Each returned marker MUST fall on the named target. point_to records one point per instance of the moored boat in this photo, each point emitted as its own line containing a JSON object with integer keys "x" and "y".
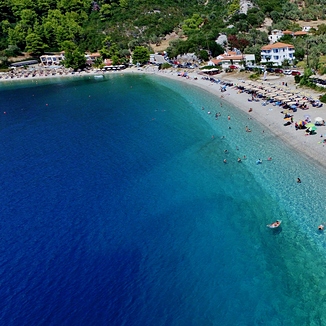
{"x": 274, "y": 225}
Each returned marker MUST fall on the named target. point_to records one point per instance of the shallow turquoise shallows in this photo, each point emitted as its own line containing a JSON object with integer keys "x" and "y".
{"x": 117, "y": 209}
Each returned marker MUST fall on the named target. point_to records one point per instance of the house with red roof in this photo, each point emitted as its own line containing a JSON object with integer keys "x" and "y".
{"x": 277, "y": 53}
{"x": 300, "y": 33}
{"x": 232, "y": 57}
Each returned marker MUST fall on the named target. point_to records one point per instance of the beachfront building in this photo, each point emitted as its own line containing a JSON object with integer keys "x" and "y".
{"x": 108, "y": 65}
{"x": 18, "y": 64}
{"x": 56, "y": 59}
{"x": 232, "y": 58}
{"x": 91, "y": 57}
{"x": 277, "y": 53}
{"x": 52, "y": 59}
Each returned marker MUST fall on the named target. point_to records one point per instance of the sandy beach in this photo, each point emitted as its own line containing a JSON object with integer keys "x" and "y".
{"x": 269, "y": 116}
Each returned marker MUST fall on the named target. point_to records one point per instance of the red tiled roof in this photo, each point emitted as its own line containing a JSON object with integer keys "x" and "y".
{"x": 108, "y": 62}
{"x": 277, "y": 45}
{"x": 216, "y": 61}
{"x": 298, "y": 33}
{"x": 230, "y": 57}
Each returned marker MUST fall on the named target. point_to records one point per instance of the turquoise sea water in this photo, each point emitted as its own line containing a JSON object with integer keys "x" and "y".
{"x": 117, "y": 209}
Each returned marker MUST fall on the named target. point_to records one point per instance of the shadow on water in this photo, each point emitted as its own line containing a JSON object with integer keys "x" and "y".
{"x": 276, "y": 231}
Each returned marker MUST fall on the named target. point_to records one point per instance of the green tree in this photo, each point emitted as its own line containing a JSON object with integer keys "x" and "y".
{"x": 299, "y": 54}
{"x": 192, "y": 24}
{"x": 109, "y": 48}
{"x": 203, "y": 55}
{"x": 256, "y": 50}
{"x": 74, "y": 59}
{"x": 140, "y": 55}
{"x": 105, "y": 11}
{"x": 69, "y": 46}
{"x": 123, "y": 3}
{"x": 17, "y": 35}
{"x": 34, "y": 44}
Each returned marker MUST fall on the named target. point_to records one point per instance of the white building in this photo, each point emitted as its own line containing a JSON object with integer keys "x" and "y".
{"x": 232, "y": 57}
{"x": 56, "y": 59}
{"x": 277, "y": 53}
{"x": 52, "y": 59}
{"x": 275, "y": 35}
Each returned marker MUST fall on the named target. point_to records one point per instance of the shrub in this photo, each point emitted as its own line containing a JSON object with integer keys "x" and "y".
{"x": 165, "y": 65}
{"x": 323, "y": 98}
{"x": 297, "y": 79}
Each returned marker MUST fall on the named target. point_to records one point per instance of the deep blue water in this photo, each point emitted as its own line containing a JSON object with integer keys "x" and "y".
{"x": 117, "y": 209}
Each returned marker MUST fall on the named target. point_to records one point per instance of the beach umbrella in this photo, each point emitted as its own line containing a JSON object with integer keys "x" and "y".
{"x": 313, "y": 128}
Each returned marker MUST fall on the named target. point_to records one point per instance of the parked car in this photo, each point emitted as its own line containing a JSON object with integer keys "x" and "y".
{"x": 278, "y": 71}
{"x": 233, "y": 67}
{"x": 295, "y": 73}
{"x": 287, "y": 72}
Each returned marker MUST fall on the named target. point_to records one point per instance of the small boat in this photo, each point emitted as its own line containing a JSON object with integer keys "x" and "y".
{"x": 274, "y": 225}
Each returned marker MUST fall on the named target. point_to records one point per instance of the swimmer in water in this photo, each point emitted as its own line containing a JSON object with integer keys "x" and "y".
{"x": 298, "y": 180}
{"x": 321, "y": 227}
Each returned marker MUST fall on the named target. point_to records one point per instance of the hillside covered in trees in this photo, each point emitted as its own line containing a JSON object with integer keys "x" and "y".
{"x": 116, "y": 27}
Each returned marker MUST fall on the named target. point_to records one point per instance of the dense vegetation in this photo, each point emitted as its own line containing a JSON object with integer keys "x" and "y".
{"x": 116, "y": 28}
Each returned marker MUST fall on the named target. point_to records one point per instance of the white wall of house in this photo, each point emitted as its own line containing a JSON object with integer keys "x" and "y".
{"x": 275, "y": 35}
{"x": 277, "y": 55}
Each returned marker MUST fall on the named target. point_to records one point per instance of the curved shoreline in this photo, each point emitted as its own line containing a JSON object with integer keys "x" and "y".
{"x": 269, "y": 116}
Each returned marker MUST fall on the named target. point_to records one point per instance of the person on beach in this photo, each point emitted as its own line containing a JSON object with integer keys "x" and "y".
{"x": 250, "y": 110}
{"x": 298, "y": 180}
